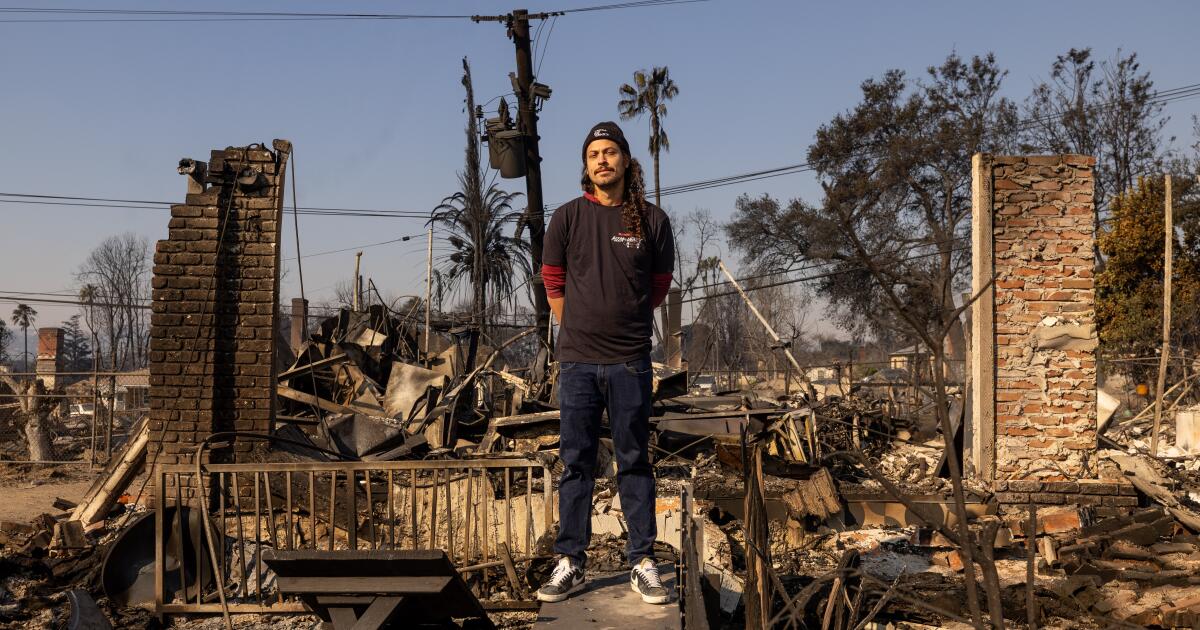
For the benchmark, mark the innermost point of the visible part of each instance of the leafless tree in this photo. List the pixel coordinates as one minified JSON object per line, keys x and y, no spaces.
{"x":116,"y":276}
{"x":1110,"y":112}
{"x":703,"y":234}
{"x":343,"y":294}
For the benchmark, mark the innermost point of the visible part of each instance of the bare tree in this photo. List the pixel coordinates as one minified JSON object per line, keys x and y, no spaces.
{"x":116,"y":279}
{"x":476,"y":219}
{"x":1111,"y":114}
{"x":343,"y":294}
{"x":703,"y":234}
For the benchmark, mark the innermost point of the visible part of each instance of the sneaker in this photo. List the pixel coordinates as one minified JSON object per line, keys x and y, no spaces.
{"x":566,"y":580}
{"x":645,"y":582}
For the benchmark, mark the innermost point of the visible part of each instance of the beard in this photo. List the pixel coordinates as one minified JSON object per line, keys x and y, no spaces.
{"x":609,"y":181}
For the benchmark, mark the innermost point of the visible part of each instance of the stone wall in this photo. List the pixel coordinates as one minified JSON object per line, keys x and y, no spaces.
{"x":215,"y":306}
{"x":1043,"y":313}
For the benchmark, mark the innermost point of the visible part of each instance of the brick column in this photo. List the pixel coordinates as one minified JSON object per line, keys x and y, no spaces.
{"x":215,"y":306}
{"x":49,"y":355}
{"x":1042,"y":312}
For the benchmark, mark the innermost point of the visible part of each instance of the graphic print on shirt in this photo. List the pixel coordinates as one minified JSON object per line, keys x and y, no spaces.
{"x":628,"y":240}
{"x":607,"y":277}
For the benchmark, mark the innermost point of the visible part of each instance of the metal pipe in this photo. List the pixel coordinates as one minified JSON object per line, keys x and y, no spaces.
{"x":241,"y":535}
{"x":771,"y":331}
{"x":428,"y":296}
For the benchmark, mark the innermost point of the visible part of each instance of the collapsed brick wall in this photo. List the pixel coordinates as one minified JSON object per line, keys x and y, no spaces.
{"x":215,"y":306}
{"x":1044,"y":315}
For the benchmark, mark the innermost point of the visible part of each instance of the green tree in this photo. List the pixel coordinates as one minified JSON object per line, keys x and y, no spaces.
{"x":25,"y":317}
{"x":895,"y":172}
{"x":1107,"y":111}
{"x":77,"y":348}
{"x":477,"y":218}
{"x":648,"y":95}
{"x":896,"y":177}
{"x":1129,"y":291}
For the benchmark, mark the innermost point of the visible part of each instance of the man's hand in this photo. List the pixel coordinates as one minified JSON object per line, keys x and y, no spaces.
{"x":556,"y":306}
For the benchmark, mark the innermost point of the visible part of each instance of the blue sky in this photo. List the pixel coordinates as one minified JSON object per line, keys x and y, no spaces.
{"x":374,"y":109}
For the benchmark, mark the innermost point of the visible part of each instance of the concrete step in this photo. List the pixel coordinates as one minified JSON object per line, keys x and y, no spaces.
{"x":609,"y":603}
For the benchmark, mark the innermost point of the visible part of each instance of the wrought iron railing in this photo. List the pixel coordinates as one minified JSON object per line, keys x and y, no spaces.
{"x":469,"y":508}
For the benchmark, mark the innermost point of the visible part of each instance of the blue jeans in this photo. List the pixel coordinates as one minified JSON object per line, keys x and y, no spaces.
{"x":586,"y":390}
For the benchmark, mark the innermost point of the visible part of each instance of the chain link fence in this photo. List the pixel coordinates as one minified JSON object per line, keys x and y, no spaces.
{"x":69,"y":417}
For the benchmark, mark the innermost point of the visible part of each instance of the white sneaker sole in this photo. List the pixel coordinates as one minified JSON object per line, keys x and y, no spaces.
{"x":550,"y":599}
{"x":651,"y":599}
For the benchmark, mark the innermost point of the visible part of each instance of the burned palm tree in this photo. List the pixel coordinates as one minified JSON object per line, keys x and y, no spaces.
{"x":482,"y":227}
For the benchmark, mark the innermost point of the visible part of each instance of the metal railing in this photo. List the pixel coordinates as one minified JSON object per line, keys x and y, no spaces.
{"x":468,"y":508}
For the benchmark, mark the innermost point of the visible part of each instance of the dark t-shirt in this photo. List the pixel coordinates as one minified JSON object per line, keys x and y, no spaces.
{"x":607,"y":311}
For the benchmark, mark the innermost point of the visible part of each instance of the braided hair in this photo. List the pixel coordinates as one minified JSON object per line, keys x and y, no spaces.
{"x":633,"y":204}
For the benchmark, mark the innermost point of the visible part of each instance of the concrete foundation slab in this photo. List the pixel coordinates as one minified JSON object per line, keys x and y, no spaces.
{"x":608,"y":603}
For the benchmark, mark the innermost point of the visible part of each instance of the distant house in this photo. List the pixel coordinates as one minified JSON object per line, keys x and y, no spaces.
{"x":821,"y":373}
{"x":132,"y":389}
{"x":906,"y":358}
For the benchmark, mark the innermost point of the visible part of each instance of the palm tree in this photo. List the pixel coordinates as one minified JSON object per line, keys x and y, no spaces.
{"x":87,"y":297}
{"x":25,"y":317}
{"x":649,"y":95}
{"x":476,"y":218}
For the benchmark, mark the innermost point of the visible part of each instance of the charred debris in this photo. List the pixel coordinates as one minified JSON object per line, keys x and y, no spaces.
{"x":799,"y":510}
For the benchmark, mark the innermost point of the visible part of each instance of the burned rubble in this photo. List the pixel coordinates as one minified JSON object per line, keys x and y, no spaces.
{"x":374,"y":460}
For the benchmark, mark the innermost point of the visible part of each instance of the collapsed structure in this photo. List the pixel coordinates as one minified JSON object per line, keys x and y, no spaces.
{"x":371,"y":469}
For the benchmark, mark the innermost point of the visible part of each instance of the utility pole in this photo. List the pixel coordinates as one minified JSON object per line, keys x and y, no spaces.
{"x":1168,"y":247}
{"x":518,"y":30}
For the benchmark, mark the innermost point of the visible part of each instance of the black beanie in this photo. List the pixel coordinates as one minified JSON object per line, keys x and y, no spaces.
{"x":607,"y":130}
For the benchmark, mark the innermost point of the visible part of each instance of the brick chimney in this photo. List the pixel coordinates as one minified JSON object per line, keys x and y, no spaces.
{"x":49,"y":355}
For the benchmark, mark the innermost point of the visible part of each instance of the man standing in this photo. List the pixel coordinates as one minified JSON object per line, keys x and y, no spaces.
{"x":608,"y":260}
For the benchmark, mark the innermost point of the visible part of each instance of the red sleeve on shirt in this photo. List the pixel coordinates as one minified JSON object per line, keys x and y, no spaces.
{"x":658,"y":292}
{"x":555,"y":279}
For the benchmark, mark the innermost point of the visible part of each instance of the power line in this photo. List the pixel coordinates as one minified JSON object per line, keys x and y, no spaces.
{"x":1163,"y":96}
{"x":357,"y":247}
{"x":769,"y":274}
{"x":59,"y":299}
{"x":630,"y":5}
{"x":1160,"y":97}
{"x":76,"y":15}
{"x":546,"y":46}
{"x":143,"y":204}
{"x":817,"y":276}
